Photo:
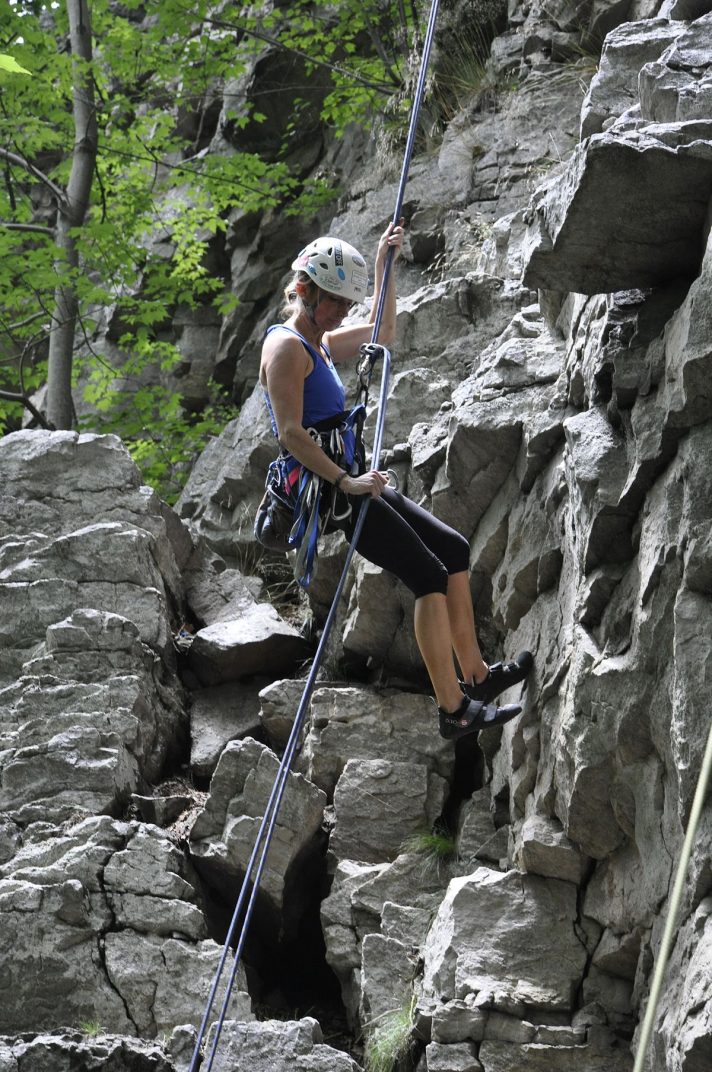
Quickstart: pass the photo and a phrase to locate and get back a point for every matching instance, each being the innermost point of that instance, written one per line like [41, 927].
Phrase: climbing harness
[674, 907]
[371, 354]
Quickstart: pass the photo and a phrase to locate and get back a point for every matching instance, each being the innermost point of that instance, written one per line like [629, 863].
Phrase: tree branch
[19, 161]
[379, 87]
[33, 228]
[25, 401]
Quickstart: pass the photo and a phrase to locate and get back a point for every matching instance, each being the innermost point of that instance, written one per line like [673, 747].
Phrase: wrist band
[339, 478]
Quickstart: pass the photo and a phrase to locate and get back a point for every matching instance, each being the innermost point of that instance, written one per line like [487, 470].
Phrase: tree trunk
[60, 410]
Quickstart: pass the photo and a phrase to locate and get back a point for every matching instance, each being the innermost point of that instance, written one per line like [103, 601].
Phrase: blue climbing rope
[251, 883]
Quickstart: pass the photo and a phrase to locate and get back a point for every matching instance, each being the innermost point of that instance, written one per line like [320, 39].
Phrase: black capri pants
[406, 540]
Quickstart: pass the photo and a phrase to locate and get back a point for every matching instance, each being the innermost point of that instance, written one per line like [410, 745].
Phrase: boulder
[106, 927]
[90, 718]
[278, 1046]
[378, 804]
[62, 1051]
[258, 642]
[648, 188]
[109, 566]
[476, 942]
[363, 724]
[55, 482]
[224, 833]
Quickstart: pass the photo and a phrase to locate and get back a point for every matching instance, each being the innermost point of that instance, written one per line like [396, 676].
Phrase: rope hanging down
[674, 907]
[255, 867]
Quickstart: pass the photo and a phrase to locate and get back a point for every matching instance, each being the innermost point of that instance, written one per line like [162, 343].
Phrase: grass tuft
[91, 1028]
[389, 1040]
[437, 848]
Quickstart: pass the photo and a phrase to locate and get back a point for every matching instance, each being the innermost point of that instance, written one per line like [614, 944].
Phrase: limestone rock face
[379, 803]
[476, 940]
[66, 1050]
[224, 833]
[228, 480]
[279, 1046]
[89, 718]
[646, 178]
[626, 50]
[359, 724]
[550, 399]
[106, 927]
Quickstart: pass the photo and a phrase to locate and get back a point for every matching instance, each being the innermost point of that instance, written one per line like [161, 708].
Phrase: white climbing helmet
[335, 266]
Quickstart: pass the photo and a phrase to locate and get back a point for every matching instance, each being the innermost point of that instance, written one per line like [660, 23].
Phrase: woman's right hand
[371, 483]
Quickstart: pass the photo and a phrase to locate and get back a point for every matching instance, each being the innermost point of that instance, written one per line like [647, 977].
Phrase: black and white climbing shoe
[501, 676]
[473, 716]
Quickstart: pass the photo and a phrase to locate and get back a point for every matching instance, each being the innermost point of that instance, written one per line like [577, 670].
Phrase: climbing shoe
[501, 676]
[473, 716]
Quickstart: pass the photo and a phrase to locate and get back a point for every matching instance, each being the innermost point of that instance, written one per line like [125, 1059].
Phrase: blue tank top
[324, 393]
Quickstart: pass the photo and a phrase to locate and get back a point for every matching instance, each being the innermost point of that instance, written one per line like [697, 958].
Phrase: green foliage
[90, 1028]
[159, 198]
[437, 848]
[389, 1039]
[164, 449]
[10, 64]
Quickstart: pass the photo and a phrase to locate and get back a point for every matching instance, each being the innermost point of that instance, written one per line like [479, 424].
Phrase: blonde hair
[292, 297]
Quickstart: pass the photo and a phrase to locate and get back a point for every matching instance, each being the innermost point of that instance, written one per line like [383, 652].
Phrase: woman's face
[334, 308]
[327, 310]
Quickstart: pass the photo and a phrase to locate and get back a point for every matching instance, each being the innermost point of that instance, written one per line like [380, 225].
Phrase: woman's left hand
[392, 238]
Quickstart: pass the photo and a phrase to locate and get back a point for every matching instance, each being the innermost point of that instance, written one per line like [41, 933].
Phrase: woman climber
[303, 389]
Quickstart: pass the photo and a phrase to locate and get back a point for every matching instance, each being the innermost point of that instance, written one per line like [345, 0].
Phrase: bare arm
[285, 365]
[344, 343]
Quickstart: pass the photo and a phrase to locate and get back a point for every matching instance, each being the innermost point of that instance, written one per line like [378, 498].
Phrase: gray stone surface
[387, 973]
[614, 87]
[106, 927]
[649, 189]
[278, 707]
[568, 436]
[258, 642]
[91, 716]
[227, 482]
[678, 86]
[278, 1046]
[378, 804]
[360, 724]
[71, 1051]
[475, 943]
[544, 849]
[503, 1056]
[218, 715]
[460, 1057]
[478, 840]
[223, 834]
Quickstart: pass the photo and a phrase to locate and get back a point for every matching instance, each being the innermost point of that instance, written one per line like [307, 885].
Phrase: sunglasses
[342, 303]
